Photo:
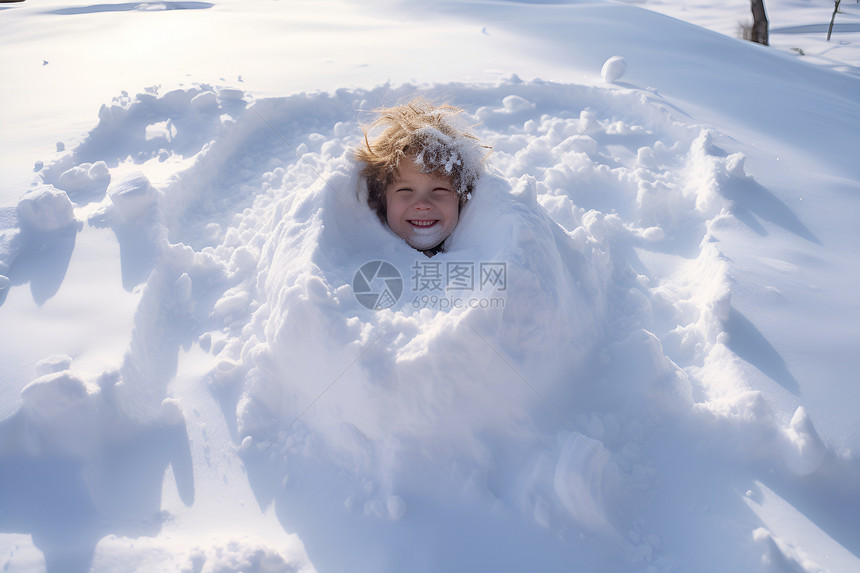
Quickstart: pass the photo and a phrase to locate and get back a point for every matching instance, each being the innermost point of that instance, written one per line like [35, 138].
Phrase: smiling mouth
[423, 223]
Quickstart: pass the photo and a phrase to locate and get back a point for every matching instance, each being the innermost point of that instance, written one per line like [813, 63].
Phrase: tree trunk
[832, 18]
[759, 27]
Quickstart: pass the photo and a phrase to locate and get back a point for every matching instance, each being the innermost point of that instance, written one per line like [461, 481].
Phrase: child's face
[423, 209]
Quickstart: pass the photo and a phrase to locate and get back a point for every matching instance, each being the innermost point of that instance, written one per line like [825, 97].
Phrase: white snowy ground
[666, 382]
[797, 27]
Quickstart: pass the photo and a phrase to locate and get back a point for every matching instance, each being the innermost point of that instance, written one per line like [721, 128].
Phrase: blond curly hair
[433, 136]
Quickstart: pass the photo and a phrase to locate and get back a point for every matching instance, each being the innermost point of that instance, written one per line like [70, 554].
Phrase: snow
[637, 354]
[45, 208]
[613, 69]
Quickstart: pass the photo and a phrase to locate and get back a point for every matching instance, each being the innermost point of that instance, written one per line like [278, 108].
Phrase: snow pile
[570, 390]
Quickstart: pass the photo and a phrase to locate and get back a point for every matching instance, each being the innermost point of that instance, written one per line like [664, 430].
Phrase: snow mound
[562, 366]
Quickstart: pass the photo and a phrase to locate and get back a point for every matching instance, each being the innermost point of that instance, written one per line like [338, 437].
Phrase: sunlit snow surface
[660, 380]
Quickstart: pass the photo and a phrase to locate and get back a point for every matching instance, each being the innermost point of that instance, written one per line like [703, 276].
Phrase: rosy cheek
[392, 216]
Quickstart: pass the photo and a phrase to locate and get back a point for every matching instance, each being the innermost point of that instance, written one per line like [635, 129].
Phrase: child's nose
[422, 204]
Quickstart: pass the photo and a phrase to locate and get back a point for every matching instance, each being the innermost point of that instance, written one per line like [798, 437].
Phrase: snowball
[613, 69]
[46, 208]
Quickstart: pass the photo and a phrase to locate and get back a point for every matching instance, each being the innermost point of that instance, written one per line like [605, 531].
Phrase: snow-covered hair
[434, 137]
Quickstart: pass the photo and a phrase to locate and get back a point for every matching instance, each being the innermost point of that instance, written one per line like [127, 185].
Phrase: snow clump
[46, 208]
[613, 69]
